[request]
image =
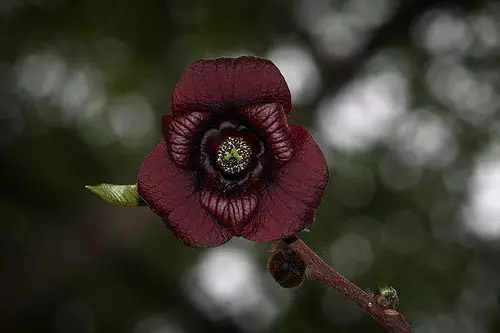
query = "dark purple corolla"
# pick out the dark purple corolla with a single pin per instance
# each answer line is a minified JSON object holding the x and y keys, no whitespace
{"x":230,"y":164}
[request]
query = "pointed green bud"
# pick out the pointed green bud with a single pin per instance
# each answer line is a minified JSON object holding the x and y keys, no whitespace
{"x":122,"y":195}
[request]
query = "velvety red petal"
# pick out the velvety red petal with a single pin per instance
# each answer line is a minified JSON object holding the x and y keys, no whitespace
{"x":288,"y":205}
{"x":210,"y":84}
{"x":270,"y":121}
{"x":180,"y":131}
{"x":233,"y":211}
{"x":170,"y":192}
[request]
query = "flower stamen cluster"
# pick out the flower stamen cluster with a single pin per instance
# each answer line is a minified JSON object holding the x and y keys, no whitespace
{"x":234,"y":155}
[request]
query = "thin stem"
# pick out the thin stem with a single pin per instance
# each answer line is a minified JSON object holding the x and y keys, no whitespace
{"x":318,"y":269}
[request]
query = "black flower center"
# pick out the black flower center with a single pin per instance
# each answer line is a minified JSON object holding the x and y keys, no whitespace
{"x":234,"y":155}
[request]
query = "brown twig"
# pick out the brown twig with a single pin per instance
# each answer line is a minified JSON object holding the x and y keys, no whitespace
{"x":317,"y":269}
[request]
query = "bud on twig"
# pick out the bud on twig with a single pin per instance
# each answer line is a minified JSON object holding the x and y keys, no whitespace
{"x":287,"y":267}
{"x":387,"y":297}
{"x":292,"y":258}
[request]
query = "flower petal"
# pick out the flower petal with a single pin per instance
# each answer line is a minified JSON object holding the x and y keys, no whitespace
{"x":270,"y":121}
{"x":180,"y":131}
{"x":233,"y":211}
{"x":170,"y":192}
{"x":288,"y":204}
{"x":230,"y":81}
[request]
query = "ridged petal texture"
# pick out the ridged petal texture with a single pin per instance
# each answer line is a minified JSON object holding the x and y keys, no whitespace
{"x":180,"y":133}
{"x":232,"y":211}
{"x":212,"y":84}
{"x":270,"y":121}
{"x":170,"y":192}
{"x":287,"y":205}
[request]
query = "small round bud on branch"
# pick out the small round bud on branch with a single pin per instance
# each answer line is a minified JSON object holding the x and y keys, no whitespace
{"x":387,"y":297}
{"x":287,"y":267}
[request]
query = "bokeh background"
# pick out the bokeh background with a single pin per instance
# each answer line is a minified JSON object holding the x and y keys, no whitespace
{"x":403,"y":97}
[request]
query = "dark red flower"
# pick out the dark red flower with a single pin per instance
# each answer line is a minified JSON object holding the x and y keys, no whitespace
{"x":230,"y":164}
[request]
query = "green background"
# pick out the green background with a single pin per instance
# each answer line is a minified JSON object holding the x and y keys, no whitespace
{"x":402,"y":96}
